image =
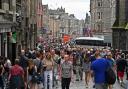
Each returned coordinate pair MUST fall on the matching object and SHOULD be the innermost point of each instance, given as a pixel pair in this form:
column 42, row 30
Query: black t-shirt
column 31, row 71
column 121, row 64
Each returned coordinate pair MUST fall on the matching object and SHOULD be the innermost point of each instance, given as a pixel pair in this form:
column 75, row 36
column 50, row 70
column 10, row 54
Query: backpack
column 110, row 76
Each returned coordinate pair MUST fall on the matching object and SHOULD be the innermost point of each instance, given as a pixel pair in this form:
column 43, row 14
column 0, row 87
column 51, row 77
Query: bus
column 91, row 42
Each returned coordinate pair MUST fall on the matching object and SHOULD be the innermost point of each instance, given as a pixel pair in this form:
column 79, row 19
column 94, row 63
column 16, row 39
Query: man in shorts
column 121, row 66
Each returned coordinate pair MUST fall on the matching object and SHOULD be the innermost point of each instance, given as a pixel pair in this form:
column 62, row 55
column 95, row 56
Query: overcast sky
column 77, row 7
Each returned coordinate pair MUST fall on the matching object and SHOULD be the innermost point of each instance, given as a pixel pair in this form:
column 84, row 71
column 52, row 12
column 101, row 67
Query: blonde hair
column 48, row 57
column 30, row 63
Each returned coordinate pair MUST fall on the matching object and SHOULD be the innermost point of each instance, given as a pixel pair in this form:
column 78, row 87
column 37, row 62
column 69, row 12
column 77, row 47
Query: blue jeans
column 50, row 73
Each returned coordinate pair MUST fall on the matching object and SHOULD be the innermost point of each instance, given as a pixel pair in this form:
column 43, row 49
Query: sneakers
column 87, row 86
column 122, row 83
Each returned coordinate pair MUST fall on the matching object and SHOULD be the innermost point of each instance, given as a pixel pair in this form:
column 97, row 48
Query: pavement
column 81, row 85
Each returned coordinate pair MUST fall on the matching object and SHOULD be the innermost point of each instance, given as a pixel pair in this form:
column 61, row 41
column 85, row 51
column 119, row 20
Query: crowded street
column 55, row 68
column 63, row 44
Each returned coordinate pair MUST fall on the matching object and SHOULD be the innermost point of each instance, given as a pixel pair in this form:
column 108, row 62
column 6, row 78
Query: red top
column 16, row 70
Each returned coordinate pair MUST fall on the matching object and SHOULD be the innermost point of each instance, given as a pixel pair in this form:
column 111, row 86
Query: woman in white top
column 48, row 72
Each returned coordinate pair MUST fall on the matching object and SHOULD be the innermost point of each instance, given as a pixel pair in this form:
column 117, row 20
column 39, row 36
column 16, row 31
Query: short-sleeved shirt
column 99, row 67
column 66, row 68
column 121, row 64
column 16, row 70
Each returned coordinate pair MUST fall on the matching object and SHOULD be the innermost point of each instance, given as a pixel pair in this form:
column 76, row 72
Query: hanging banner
column 66, row 38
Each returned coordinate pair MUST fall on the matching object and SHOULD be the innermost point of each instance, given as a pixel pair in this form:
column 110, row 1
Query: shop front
column 6, row 46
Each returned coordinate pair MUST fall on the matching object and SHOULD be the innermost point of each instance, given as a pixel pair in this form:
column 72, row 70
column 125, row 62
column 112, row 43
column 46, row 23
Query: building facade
column 45, row 18
column 7, row 27
column 39, row 16
column 28, row 24
column 102, row 16
column 58, row 23
column 120, row 27
column 26, row 14
column 33, row 23
column 69, row 24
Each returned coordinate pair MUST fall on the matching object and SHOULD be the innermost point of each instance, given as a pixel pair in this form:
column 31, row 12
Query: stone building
column 69, row 24
column 56, row 14
column 7, row 27
column 45, row 18
column 39, row 17
column 59, row 23
column 54, row 26
column 120, row 27
column 26, row 34
column 102, row 16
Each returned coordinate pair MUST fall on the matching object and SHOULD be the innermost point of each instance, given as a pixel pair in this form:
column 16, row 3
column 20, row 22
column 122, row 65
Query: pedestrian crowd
column 45, row 69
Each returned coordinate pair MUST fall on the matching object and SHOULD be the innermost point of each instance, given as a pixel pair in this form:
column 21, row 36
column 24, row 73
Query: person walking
column 112, row 64
column 23, row 62
column 98, row 69
column 121, row 66
column 66, row 72
column 55, row 58
column 48, row 72
column 86, row 68
column 31, row 73
column 16, row 76
column 77, row 66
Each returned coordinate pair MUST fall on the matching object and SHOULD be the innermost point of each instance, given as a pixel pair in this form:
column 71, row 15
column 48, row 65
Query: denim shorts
column 29, row 78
